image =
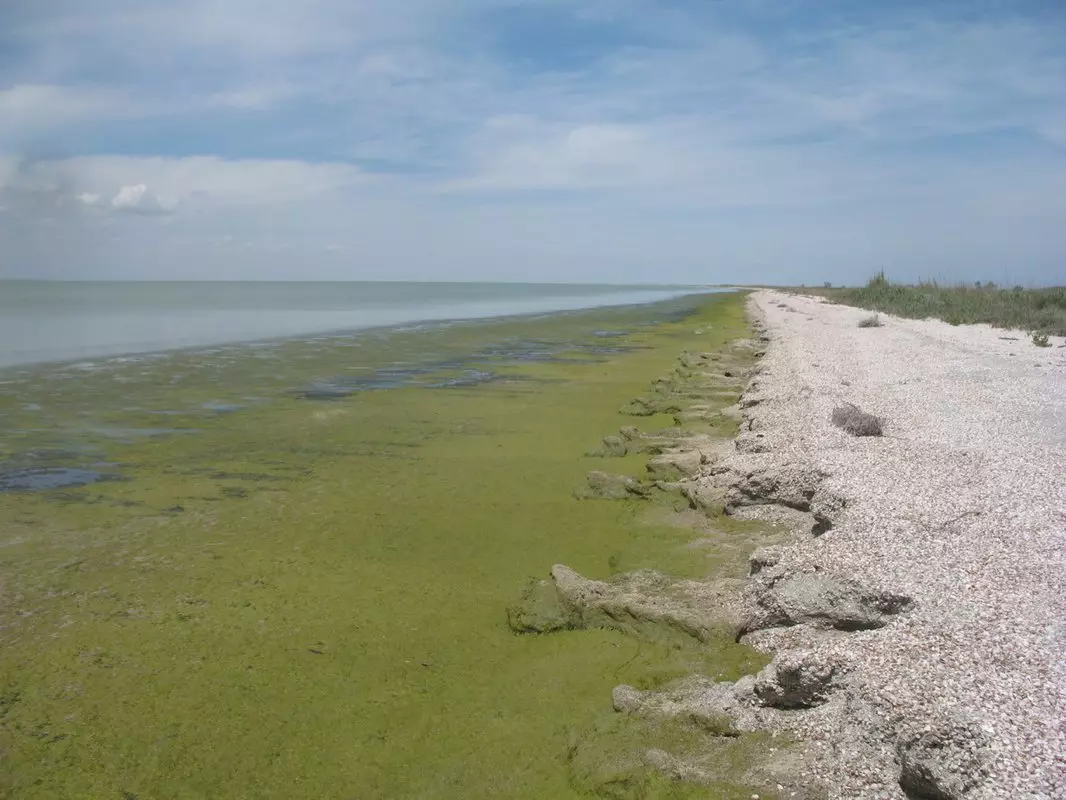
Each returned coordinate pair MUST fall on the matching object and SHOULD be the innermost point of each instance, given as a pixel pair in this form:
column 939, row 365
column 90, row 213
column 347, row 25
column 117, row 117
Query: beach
column 914, row 614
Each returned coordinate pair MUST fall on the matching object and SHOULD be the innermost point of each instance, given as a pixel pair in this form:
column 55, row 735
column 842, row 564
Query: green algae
column 305, row 598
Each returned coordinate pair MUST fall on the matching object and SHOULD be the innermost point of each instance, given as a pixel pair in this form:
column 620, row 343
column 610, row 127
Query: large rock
column 939, row 762
column 672, row 466
column 540, row 609
column 796, row 680
column 792, row 484
column 826, row 600
column 644, row 603
column 614, row 446
column 705, row 496
column 605, row 486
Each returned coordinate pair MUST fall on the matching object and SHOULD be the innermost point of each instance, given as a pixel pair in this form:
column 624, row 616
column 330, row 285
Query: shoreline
column 913, row 606
column 913, row 613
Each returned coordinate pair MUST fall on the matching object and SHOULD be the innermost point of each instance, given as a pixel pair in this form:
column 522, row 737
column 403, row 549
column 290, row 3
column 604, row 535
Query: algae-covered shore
column 290, row 579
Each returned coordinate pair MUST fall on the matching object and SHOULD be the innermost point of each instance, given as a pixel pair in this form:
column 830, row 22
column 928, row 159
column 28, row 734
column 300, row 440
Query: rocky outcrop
column 819, row 599
column 645, row 603
column 939, row 762
column 605, row 486
column 796, row 680
column 675, row 465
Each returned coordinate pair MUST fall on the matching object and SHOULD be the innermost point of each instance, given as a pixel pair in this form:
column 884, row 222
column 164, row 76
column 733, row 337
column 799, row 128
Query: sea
column 54, row 321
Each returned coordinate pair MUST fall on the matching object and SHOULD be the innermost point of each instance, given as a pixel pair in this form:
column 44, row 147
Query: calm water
column 58, row 321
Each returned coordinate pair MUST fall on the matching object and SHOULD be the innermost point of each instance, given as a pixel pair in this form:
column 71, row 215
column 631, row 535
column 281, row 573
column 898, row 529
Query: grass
column 852, row 419
column 1039, row 310
column 306, row 598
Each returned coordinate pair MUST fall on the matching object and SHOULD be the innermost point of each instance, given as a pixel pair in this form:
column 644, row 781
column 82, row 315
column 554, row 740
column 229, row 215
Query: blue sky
column 620, row 140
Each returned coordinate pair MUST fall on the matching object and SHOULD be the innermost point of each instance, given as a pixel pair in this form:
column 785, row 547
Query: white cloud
column 88, row 198
column 199, row 181
column 138, row 200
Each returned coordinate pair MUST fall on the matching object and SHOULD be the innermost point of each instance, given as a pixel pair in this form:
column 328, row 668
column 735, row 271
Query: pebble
column 962, row 506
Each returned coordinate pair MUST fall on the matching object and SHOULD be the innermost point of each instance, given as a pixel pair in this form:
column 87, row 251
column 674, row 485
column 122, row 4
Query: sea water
column 43, row 321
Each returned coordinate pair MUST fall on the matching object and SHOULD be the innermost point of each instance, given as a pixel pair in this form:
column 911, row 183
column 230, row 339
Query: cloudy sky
column 580, row 140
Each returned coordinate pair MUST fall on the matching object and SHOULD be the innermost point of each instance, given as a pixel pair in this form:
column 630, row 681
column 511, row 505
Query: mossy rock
column 540, row 610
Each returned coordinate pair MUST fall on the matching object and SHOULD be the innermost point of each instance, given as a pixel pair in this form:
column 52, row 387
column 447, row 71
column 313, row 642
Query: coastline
column 348, row 546
column 914, row 614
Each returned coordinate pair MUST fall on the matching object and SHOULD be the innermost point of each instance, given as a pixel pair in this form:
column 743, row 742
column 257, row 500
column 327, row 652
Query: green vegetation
column 1038, row 310
column 306, row 597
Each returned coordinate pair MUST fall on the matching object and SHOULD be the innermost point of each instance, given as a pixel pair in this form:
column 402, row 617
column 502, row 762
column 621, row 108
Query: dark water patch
column 221, row 408
column 41, row 479
column 522, row 350
column 469, row 377
column 609, row 350
column 130, row 434
column 375, row 380
column 223, row 475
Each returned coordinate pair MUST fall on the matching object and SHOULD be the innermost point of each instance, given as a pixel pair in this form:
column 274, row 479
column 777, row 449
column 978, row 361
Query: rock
column 705, row 496
column 792, row 484
column 644, row 603
column 795, row 680
column 539, row 610
column 827, row 600
column 638, row 407
column 939, row 762
column 694, row 417
column 708, row 704
column 614, row 446
column 671, row 466
column 605, row 486
column 762, row 558
column 649, row 406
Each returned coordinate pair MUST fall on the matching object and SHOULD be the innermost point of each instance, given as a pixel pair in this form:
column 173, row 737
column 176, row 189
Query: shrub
column 1041, row 310
column 872, row 321
column 852, row 419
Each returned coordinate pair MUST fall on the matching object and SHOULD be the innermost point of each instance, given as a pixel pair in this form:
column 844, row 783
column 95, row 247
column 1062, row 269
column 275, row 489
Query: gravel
column 961, row 506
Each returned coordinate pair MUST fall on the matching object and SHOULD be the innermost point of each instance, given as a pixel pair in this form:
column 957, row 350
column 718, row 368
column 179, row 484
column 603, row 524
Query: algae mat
column 288, row 577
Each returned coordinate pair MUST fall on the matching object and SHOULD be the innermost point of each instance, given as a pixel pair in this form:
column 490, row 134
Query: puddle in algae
column 307, row 599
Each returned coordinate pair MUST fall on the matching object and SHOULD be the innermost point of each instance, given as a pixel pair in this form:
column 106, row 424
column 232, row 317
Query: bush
column 1041, row 310
column 872, row 321
column 852, row 419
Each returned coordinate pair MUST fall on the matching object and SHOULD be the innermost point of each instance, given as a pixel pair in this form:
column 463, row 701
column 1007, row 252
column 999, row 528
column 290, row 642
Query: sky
column 623, row 141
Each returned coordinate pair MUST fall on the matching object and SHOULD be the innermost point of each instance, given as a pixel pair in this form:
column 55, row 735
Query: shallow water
column 59, row 321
